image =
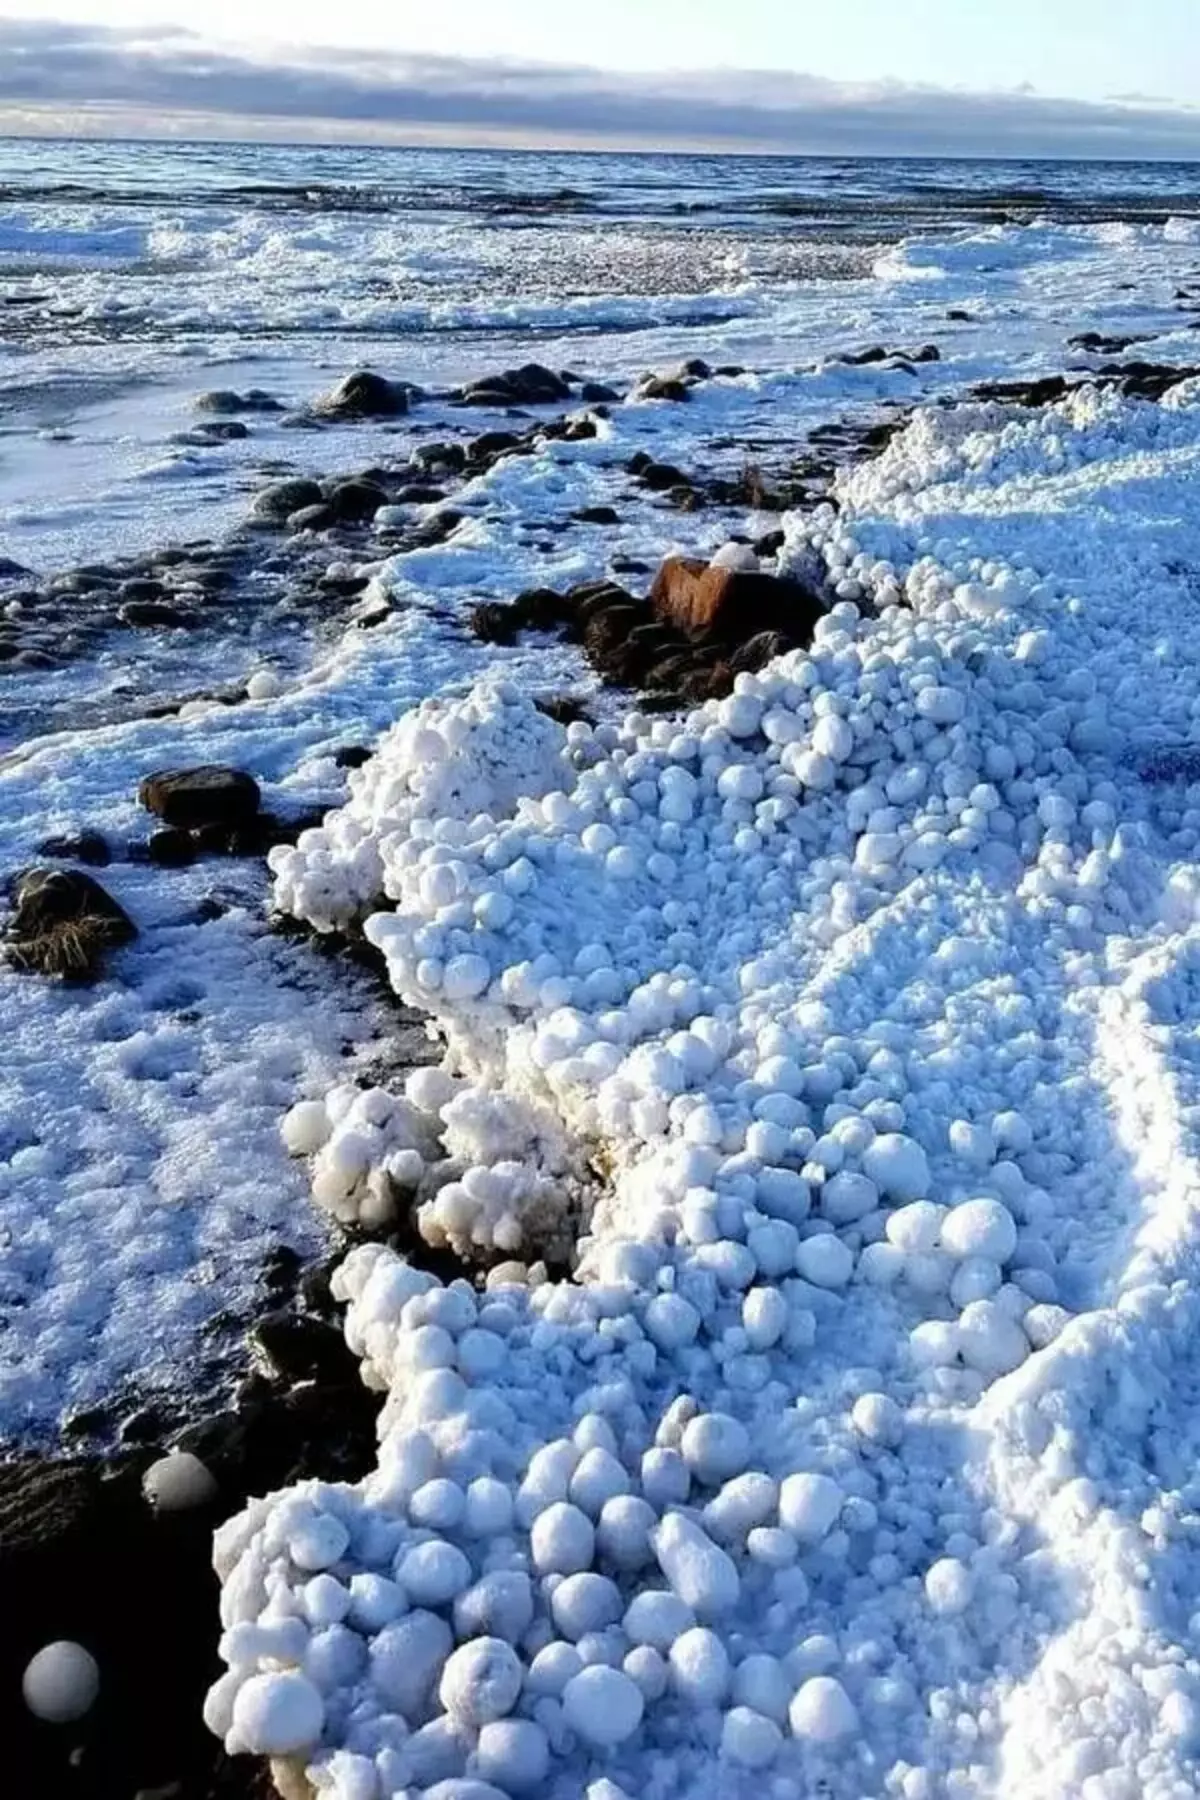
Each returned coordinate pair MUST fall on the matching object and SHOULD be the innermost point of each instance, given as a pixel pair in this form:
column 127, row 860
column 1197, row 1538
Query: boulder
column 530, row 385
column 226, row 401
column 86, row 846
column 209, row 795
column 732, row 604
column 355, row 501
column 363, row 395
column 277, row 502
column 63, row 923
column 598, row 393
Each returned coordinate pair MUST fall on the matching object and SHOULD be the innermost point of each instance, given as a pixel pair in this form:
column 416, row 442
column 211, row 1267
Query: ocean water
column 132, row 275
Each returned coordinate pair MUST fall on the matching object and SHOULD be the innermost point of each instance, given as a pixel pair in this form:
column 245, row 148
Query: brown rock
column 731, row 604
column 63, row 923
column 210, row 795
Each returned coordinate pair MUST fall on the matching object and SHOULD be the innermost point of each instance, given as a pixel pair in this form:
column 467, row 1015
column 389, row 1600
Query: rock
column 217, row 431
column 662, row 387
column 363, row 395
column 172, row 848
column 225, row 400
column 732, row 604
column 537, row 609
column 759, row 650
column 208, row 795
column 530, row 385
column 438, row 456
column 298, row 1347
column 564, row 709
column 660, row 477
column 598, row 393
column 152, row 612
column 355, row 500
column 928, row 353
column 959, row 315
column 597, row 515
column 351, row 756
column 313, row 518
column 492, row 444
column 283, row 498
column 13, row 571
column 1097, row 343
column 86, row 847
column 63, row 923
column 1035, row 392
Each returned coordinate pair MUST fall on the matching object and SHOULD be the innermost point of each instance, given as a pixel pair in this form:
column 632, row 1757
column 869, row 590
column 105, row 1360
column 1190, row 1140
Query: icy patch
column 858, row 1448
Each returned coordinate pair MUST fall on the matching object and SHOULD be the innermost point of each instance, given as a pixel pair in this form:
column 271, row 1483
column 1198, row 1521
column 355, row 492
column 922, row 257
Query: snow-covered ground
column 840, row 1035
column 856, row 1454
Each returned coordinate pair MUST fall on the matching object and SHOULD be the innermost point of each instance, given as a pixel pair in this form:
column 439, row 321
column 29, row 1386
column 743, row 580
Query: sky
column 1096, row 77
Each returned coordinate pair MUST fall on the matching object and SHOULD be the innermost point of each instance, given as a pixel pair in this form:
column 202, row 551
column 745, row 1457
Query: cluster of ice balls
column 441, row 767
column 496, row 1599
column 670, row 899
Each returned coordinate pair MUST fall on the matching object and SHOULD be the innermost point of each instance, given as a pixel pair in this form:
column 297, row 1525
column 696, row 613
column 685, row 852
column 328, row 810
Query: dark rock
column 629, row 565
column 565, row 709
column 598, row 393
column 363, row 395
column 759, row 650
column 597, row 515
column 730, row 371
column 857, row 359
column 171, row 849
column 283, row 498
column 438, row 456
column 1042, row 391
column 152, row 612
column 770, row 543
column 732, row 604
column 12, row 571
column 351, row 756
column 662, row 387
column 959, row 315
column 928, row 353
column 437, row 527
column 419, row 493
column 298, row 1347
column 1099, row 344
column 63, row 923
column 354, row 501
column 208, row 795
column 225, row 400
column 530, row 385
column 86, row 847
column 661, row 477
column 492, row 444
column 218, row 431
column 1148, row 381
column 142, row 588
column 313, row 518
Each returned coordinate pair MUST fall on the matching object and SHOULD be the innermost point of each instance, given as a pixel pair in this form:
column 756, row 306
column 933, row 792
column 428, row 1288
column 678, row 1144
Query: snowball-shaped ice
column 715, row 1446
column 277, row 1714
column 481, row 1681
column 980, row 1228
column 898, row 1166
column 750, row 1739
column 700, row 1667
column 809, row 1505
column 949, row 1586
column 822, row 1711
column 179, row 1482
column 700, row 1572
column 603, row 1705
column 878, row 1419
column 562, row 1539
column 514, row 1754
column 61, row 1682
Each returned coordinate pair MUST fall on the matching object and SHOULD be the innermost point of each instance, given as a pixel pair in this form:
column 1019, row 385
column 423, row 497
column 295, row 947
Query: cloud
column 53, row 71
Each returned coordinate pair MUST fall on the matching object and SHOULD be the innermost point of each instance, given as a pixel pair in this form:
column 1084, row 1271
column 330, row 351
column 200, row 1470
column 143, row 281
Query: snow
column 912, row 1214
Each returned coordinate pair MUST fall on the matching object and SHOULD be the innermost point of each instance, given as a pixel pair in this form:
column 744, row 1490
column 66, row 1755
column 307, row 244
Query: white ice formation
column 858, row 1453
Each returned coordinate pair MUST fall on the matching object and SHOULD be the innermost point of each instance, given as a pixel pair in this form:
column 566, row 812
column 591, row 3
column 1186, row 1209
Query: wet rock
column 298, row 1347
column 759, row 650
column 1042, row 391
column 153, row 612
column 277, row 502
column 419, row 493
column 355, row 501
column 86, row 847
column 537, row 609
column 1099, row 344
column 217, row 431
column 732, row 604
column 662, row 387
column 171, row 849
column 225, row 400
column 1148, row 381
column 363, row 395
column 770, row 543
column 960, row 315
column 207, row 795
column 597, row 515
column 142, row 588
column 439, row 456
column 564, row 709
column 659, row 477
column 492, row 444
column 530, row 385
column 598, row 393
column 313, row 518
column 351, row 756
column 64, row 923
column 13, row 571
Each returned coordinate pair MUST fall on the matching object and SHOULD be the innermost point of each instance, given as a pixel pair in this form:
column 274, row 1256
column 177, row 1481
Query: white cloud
column 54, row 74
